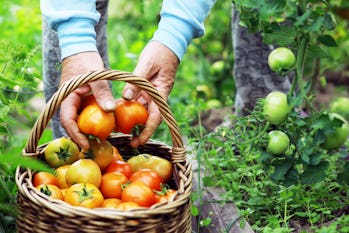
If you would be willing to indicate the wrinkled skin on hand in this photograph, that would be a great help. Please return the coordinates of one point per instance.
(158, 64)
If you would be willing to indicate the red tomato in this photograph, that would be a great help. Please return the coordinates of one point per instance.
(139, 193)
(159, 165)
(111, 185)
(149, 178)
(88, 100)
(129, 114)
(119, 166)
(165, 195)
(93, 120)
(44, 178)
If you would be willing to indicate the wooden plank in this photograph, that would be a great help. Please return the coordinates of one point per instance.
(224, 217)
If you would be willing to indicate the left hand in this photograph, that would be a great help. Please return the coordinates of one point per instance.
(158, 64)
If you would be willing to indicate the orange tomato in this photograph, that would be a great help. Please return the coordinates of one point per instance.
(111, 185)
(88, 100)
(50, 190)
(44, 178)
(116, 154)
(128, 205)
(60, 173)
(164, 195)
(101, 151)
(119, 166)
(149, 178)
(93, 120)
(84, 171)
(139, 193)
(85, 195)
(129, 114)
(111, 203)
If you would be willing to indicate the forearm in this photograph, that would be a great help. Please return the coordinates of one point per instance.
(74, 21)
(181, 21)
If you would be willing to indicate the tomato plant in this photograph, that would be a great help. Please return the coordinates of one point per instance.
(281, 59)
(61, 151)
(85, 195)
(119, 166)
(84, 171)
(159, 165)
(94, 121)
(50, 190)
(101, 151)
(44, 178)
(129, 114)
(278, 142)
(276, 107)
(111, 185)
(149, 178)
(139, 193)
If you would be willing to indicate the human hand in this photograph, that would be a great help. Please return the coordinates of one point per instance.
(158, 64)
(76, 65)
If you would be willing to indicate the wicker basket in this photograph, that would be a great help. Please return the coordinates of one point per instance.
(38, 213)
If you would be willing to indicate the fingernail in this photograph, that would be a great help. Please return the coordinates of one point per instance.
(143, 101)
(109, 106)
(129, 94)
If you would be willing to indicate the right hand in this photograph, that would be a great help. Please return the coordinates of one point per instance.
(75, 65)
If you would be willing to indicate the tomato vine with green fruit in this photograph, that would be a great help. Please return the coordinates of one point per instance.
(287, 133)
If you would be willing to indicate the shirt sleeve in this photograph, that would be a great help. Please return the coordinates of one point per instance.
(181, 21)
(74, 21)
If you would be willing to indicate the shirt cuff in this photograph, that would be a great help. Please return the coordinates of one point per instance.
(76, 36)
(175, 34)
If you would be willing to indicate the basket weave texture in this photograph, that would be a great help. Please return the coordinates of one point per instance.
(38, 213)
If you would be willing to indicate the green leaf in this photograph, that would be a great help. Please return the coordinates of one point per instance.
(281, 36)
(194, 211)
(209, 181)
(343, 177)
(281, 167)
(314, 174)
(327, 40)
(314, 51)
(18, 160)
(329, 22)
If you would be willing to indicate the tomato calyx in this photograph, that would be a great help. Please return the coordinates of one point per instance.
(85, 194)
(137, 129)
(163, 191)
(45, 190)
(63, 153)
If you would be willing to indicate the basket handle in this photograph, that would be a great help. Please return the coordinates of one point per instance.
(178, 151)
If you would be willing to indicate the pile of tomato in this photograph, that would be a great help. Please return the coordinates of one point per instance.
(100, 177)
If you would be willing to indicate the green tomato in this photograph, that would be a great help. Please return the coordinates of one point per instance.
(335, 139)
(276, 108)
(278, 142)
(340, 106)
(281, 59)
(61, 151)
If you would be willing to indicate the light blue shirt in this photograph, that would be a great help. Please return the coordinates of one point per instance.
(74, 21)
